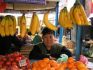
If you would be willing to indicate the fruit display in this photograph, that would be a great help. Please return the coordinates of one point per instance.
(7, 26)
(64, 18)
(35, 25)
(22, 25)
(47, 23)
(78, 15)
(14, 61)
(47, 64)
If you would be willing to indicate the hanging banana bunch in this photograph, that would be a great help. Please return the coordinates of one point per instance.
(2, 32)
(22, 25)
(6, 26)
(0, 24)
(3, 27)
(78, 14)
(35, 25)
(72, 15)
(11, 25)
(64, 19)
(14, 23)
(47, 23)
(38, 26)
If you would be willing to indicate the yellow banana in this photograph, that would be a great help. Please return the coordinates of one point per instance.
(64, 18)
(76, 16)
(47, 23)
(14, 24)
(2, 27)
(7, 33)
(80, 16)
(67, 21)
(38, 25)
(2, 31)
(71, 14)
(34, 24)
(0, 24)
(10, 22)
(61, 18)
(83, 14)
(22, 26)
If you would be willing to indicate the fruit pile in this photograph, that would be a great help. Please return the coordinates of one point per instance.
(14, 61)
(47, 64)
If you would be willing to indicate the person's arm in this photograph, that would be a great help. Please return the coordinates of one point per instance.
(64, 50)
(36, 53)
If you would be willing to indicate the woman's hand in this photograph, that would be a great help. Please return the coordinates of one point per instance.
(52, 58)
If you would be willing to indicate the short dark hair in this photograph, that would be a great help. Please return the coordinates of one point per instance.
(46, 31)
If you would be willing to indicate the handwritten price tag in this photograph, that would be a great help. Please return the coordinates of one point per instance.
(22, 62)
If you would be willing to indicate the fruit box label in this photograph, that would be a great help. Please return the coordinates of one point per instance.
(22, 62)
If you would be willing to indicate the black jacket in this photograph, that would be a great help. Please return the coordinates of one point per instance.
(39, 51)
(9, 44)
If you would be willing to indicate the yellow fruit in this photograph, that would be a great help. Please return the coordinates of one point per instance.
(10, 22)
(83, 14)
(47, 23)
(2, 27)
(14, 24)
(61, 18)
(68, 22)
(22, 26)
(80, 16)
(34, 26)
(2, 31)
(6, 26)
(38, 27)
(76, 16)
(71, 14)
(64, 18)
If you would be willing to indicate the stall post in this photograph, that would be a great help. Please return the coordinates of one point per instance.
(78, 37)
(56, 17)
(78, 42)
(61, 35)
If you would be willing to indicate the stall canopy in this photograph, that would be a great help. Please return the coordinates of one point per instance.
(48, 4)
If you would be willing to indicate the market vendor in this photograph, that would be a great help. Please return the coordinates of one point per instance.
(48, 48)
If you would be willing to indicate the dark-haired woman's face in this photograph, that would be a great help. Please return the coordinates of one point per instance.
(48, 40)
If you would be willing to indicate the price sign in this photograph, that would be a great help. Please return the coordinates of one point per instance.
(22, 62)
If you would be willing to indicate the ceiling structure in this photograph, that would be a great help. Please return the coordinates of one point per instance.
(27, 7)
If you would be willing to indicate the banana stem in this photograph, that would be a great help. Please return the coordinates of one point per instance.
(77, 1)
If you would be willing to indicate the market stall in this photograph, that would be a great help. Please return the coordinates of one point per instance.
(21, 62)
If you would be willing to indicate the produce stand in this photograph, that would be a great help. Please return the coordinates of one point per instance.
(24, 8)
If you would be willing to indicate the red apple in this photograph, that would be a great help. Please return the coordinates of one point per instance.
(8, 63)
(15, 54)
(14, 67)
(14, 63)
(18, 59)
(11, 59)
(1, 62)
(4, 59)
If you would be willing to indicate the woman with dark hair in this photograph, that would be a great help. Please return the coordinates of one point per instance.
(48, 48)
